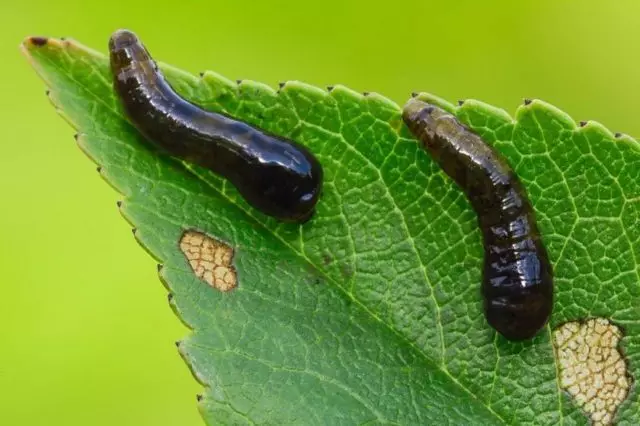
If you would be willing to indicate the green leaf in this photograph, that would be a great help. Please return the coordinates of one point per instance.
(370, 312)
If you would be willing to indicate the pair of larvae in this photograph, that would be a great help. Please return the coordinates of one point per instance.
(283, 179)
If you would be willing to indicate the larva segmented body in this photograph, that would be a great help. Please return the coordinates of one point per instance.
(276, 176)
(517, 281)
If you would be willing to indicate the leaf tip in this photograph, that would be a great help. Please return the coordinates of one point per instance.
(36, 41)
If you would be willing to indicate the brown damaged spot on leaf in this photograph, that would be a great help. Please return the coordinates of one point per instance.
(38, 41)
(592, 369)
(210, 260)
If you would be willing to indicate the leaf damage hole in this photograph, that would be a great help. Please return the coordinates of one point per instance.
(592, 369)
(210, 260)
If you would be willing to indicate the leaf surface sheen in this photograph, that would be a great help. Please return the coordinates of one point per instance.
(371, 312)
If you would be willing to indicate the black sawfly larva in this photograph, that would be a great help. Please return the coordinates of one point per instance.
(279, 177)
(517, 284)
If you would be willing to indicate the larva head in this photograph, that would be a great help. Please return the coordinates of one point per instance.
(520, 316)
(126, 51)
(286, 184)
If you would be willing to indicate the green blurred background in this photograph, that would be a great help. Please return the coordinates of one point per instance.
(86, 333)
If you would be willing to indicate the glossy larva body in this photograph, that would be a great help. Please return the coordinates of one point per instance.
(276, 176)
(517, 281)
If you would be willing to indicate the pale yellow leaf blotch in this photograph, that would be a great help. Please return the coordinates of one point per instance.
(210, 260)
(592, 369)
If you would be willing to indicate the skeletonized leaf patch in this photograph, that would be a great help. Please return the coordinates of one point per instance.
(592, 369)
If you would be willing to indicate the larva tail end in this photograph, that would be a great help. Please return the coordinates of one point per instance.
(122, 39)
(413, 107)
(415, 110)
(126, 49)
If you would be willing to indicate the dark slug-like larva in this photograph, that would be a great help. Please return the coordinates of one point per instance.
(517, 283)
(276, 176)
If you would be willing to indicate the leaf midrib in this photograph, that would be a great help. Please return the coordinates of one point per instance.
(399, 211)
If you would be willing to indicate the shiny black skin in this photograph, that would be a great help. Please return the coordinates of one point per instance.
(517, 279)
(276, 176)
